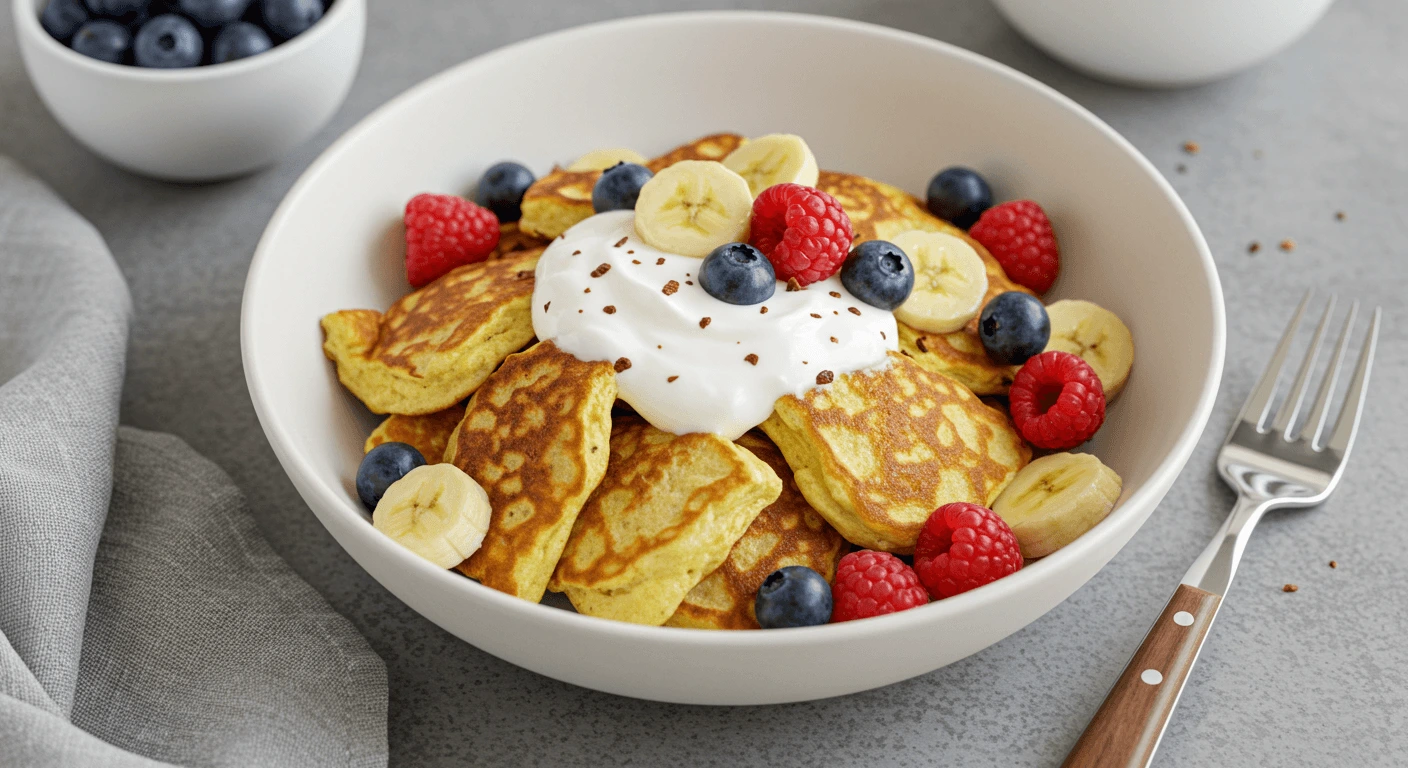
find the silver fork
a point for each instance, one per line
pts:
(1288, 463)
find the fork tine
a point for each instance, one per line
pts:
(1285, 417)
(1348, 422)
(1315, 422)
(1259, 402)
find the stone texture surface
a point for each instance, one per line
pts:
(1318, 677)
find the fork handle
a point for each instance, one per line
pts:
(1127, 727)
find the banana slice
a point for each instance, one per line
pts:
(1055, 499)
(693, 207)
(778, 158)
(437, 512)
(950, 281)
(601, 159)
(1095, 335)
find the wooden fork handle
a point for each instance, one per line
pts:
(1127, 727)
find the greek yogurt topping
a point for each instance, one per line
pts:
(686, 361)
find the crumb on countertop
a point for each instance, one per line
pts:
(1339, 215)
(1288, 245)
(1289, 588)
(1191, 147)
(1253, 247)
(1334, 564)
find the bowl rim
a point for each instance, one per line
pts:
(1141, 502)
(27, 23)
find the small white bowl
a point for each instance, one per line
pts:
(1162, 43)
(202, 123)
(869, 100)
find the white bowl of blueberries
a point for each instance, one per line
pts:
(191, 90)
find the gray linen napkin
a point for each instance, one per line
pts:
(143, 617)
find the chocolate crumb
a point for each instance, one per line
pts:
(1288, 245)
(631, 252)
(793, 285)
(601, 269)
(704, 322)
(1289, 588)
(834, 341)
(763, 311)
(545, 306)
(752, 359)
(834, 312)
(609, 309)
(586, 290)
(853, 311)
(883, 336)
(1334, 564)
(671, 380)
(918, 342)
(670, 288)
(562, 236)
(1181, 168)
(1254, 247)
(524, 274)
(1191, 147)
(660, 261)
(825, 377)
(659, 346)
(634, 261)
(834, 294)
(816, 315)
(689, 282)
(1339, 215)
(576, 253)
(620, 243)
(804, 362)
(579, 311)
(622, 363)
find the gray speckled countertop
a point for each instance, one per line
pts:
(1318, 677)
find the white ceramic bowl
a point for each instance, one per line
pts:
(1162, 43)
(870, 100)
(201, 123)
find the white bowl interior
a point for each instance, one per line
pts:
(869, 100)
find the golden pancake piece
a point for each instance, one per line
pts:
(787, 532)
(428, 434)
(562, 198)
(537, 437)
(666, 515)
(435, 346)
(515, 242)
(878, 451)
(879, 211)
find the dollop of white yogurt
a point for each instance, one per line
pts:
(686, 361)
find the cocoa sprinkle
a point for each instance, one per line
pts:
(609, 309)
(825, 377)
(834, 294)
(524, 274)
(601, 270)
(834, 341)
(670, 288)
(545, 306)
(622, 363)
(660, 261)
(704, 322)
(763, 311)
(576, 253)
(620, 242)
(752, 359)
(793, 285)
(671, 380)
(853, 311)
(918, 342)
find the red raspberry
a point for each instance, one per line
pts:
(963, 546)
(444, 232)
(1057, 401)
(1019, 236)
(802, 231)
(872, 583)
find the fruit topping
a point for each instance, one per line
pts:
(878, 273)
(1095, 335)
(290, 18)
(102, 40)
(693, 207)
(793, 596)
(959, 195)
(619, 186)
(601, 159)
(963, 546)
(803, 232)
(435, 511)
(870, 583)
(168, 42)
(212, 13)
(1055, 499)
(444, 232)
(1014, 327)
(1019, 236)
(778, 158)
(61, 18)
(239, 41)
(950, 281)
(501, 189)
(1056, 401)
(382, 466)
(737, 273)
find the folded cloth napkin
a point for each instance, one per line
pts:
(143, 619)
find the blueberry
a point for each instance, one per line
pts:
(737, 273)
(213, 13)
(794, 596)
(501, 189)
(959, 195)
(121, 10)
(103, 40)
(1013, 327)
(619, 186)
(878, 273)
(382, 466)
(238, 41)
(61, 18)
(167, 42)
(289, 18)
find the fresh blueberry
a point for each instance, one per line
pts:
(125, 11)
(501, 189)
(213, 13)
(959, 195)
(103, 40)
(1013, 327)
(289, 18)
(793, 596)
(382, 466)
(238, 41)
(878, 273)
(619, 186)
(167, 42)
(61, 18)
(738, 273)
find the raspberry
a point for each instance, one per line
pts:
(871, 583)
(444, 232)
(1019, 236)
(963, 546)
(802, 231)
(1057, 401)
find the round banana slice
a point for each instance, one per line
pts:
(778, 158)
(1055, 499)
(601, 159)
(950, 281)
(437, 512)
(1095, 335)
(693, 207)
